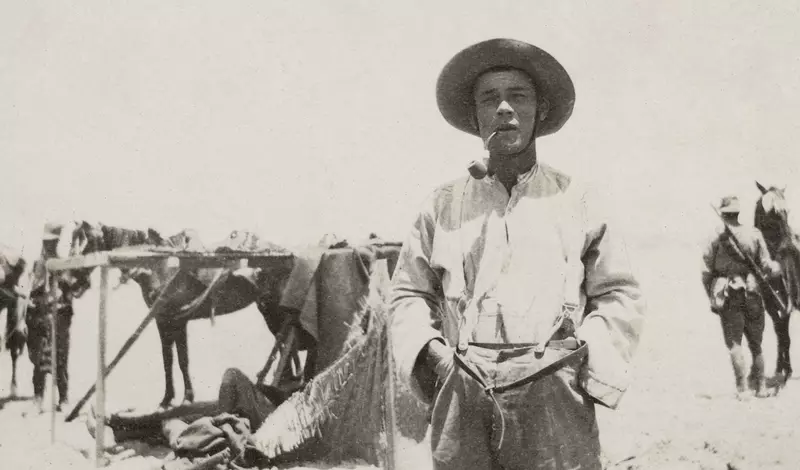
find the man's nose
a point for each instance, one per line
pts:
(504, 109)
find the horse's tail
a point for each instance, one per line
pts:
(15, 342)
(16, 329)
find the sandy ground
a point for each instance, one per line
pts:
(680, 413)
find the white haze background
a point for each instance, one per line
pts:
(295, 119)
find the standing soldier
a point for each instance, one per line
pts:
(46, 306)
(53, 303)
(514, 306)
(734, 293)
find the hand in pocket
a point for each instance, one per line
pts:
(440, 359)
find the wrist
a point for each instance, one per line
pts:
(434, 351)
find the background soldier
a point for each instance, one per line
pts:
(734, 292)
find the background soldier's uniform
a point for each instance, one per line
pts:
(735, 295)
(40, 344)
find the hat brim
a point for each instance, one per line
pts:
(454, 89)
(730, 210)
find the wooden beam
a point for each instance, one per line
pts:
(124, 258)
(228, 260)
(77, 262)
(209, 262)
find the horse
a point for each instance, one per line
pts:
(191, 294)
(772, 219)
(12, 267)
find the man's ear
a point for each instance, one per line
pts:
(544, 109)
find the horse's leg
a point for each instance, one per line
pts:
(783, 367)
(787, 344)
(309, 370)
(167, 338)
(778, 325)
(280, 337)
(11, 345)
(14, 355)
(182, 345)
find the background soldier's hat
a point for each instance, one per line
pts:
(455, 85)
(729, 205)
(52, 230)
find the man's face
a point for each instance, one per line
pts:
(506, 103)
(732, 216)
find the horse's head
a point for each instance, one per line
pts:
(107, 238)
(155, 238)
(186, 240)
(12, 267)
(88, 238)
(772, 215)
(773, 201)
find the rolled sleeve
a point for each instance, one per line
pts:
(414, 300)
(615, 314)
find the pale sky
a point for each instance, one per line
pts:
(299, 118)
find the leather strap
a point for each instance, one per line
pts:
(579, 354)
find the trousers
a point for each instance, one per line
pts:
(40, 348)
(547, 423)
(239, 396)
(743, 315)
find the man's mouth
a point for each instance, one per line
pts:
(505, 128)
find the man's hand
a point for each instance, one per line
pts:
(775, 269)
(439, 358)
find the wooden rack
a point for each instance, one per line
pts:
(132, 258)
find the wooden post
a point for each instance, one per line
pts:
(54, 363)
(390, 405)
(53, 375)
(101, 368)
(381, 281)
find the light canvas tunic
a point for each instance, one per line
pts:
(503, 268)
(725, 269)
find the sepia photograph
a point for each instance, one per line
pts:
(412, 235)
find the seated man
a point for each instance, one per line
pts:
(241, 397)
(184, 425)
(238, 396)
